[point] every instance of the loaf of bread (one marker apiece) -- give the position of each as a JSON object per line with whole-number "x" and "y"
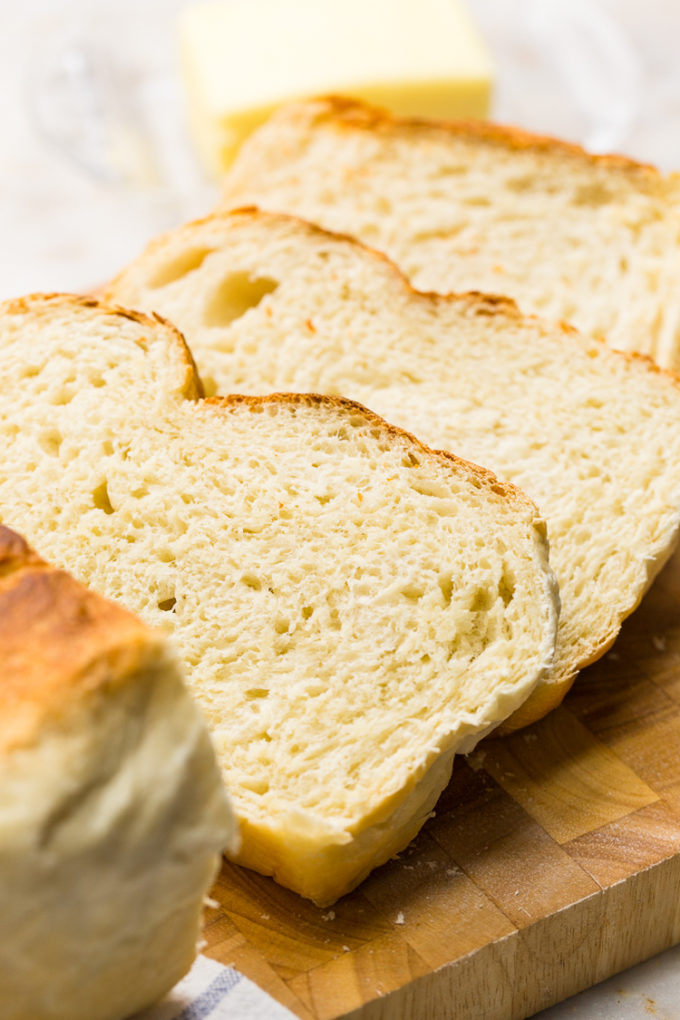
{"x": 351, "y": 607}
{"x": 112, "y": 811}
{"x": 268, "y": 302}
{"x": 591, "y": 240}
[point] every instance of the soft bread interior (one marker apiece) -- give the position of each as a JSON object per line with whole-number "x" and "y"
{"x": 351, "y": 607}
{"x": 590, "y": 240}
{"x": 590, "y": 434}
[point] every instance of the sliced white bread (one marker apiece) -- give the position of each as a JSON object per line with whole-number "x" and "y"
{"x": 351, "y": 607}
{"x": 269, "y": 302}
{"x": 591, "y": 240}
{"x": 113, "y": 814}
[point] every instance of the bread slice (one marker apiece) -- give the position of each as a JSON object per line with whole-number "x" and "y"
{"x": 592, "y": 436}
{"x": 351, "y": 607}
{"x": 103, "y": 865}
{"x": 591, "y": 240}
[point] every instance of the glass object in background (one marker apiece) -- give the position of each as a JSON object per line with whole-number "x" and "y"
{"x": 81, "y": 107}
{"x": 96, "y": 158}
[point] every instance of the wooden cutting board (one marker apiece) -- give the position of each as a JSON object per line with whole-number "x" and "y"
{"x": 553, "y": 862}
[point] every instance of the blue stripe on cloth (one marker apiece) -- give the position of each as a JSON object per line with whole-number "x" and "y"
{"x": 212, "y": 996}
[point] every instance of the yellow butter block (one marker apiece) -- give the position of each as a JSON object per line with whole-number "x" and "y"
{"x": 243, "y": 58}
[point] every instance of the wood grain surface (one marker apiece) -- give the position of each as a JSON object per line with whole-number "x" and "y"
{"x": 551, "y": 863}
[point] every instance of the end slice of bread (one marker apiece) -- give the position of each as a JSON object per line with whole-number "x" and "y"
{"x": 269, "y": 302}
{"x": 103, "y": 864}
{"x": 351, "y": 608}
{"x": 591, "y": 240}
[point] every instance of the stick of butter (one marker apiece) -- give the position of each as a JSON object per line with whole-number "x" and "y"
{"x": 243, "y": 58}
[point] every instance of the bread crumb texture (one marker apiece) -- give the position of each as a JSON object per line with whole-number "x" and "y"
{"x": 351, "y": 607}
{"x": 591, "y": 240}
{"x": 589, "y": 434}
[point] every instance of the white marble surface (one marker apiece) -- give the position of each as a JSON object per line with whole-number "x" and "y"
{"x": 606, "y": 74}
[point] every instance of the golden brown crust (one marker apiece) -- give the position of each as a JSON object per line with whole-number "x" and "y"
{"x": 357, "y": 115}
{"x": 58, "y": 640}
{"x": 477, "y": 302}
{"x": 542, "y": 700}
{"x": 484, "y": 303}
{"x": 506, "y": 490}
{"x": 15, "y": 553}
{"x": 253, "y": 212}
{"x": 193, "y": 387}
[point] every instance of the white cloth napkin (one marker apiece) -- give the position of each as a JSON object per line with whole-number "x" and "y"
{"x": 211, "y": 991}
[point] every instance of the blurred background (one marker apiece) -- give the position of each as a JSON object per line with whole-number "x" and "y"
{"x": 95, "y": 155}
{"x": 96, "y": 158}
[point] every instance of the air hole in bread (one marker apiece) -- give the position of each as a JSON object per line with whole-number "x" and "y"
{"x": 51, "y": 441}
{"x": 256, "y": 784}
{"x": 428, "y": 487}
{"x": 592, "y": 194}
{"x": 251, "y": 581}
{"x": 438, "y": 233}
{"x": 506, "y": 588}
{"x": 524, "y": 183}
{"x": 482, "y": 600}
{"x": 334, "y": 619}
{"x": 383, "y": 206}
{"x": 235, "y": 296}
{"x": 63, "y": 396}
{"x": 446, "y": 587}
{"x": 100, "y": 498}
{"x": 168, "y": 605}
{"x": 410, "y": 460}
{"x": 412, "y": 592}
{"x": 306, "y": 612}
{"x": 255, "y": 693}
{"x": 450, "y": 170}
{"x": 180, "y": 266}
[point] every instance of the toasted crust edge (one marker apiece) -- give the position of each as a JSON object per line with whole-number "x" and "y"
{"x": 346, "y": 112}
{"x": 485, "y": 477}
{"x": 59, "y": 641}
{"x": 192, "y": 387}
{"x": 476, "y": 301}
